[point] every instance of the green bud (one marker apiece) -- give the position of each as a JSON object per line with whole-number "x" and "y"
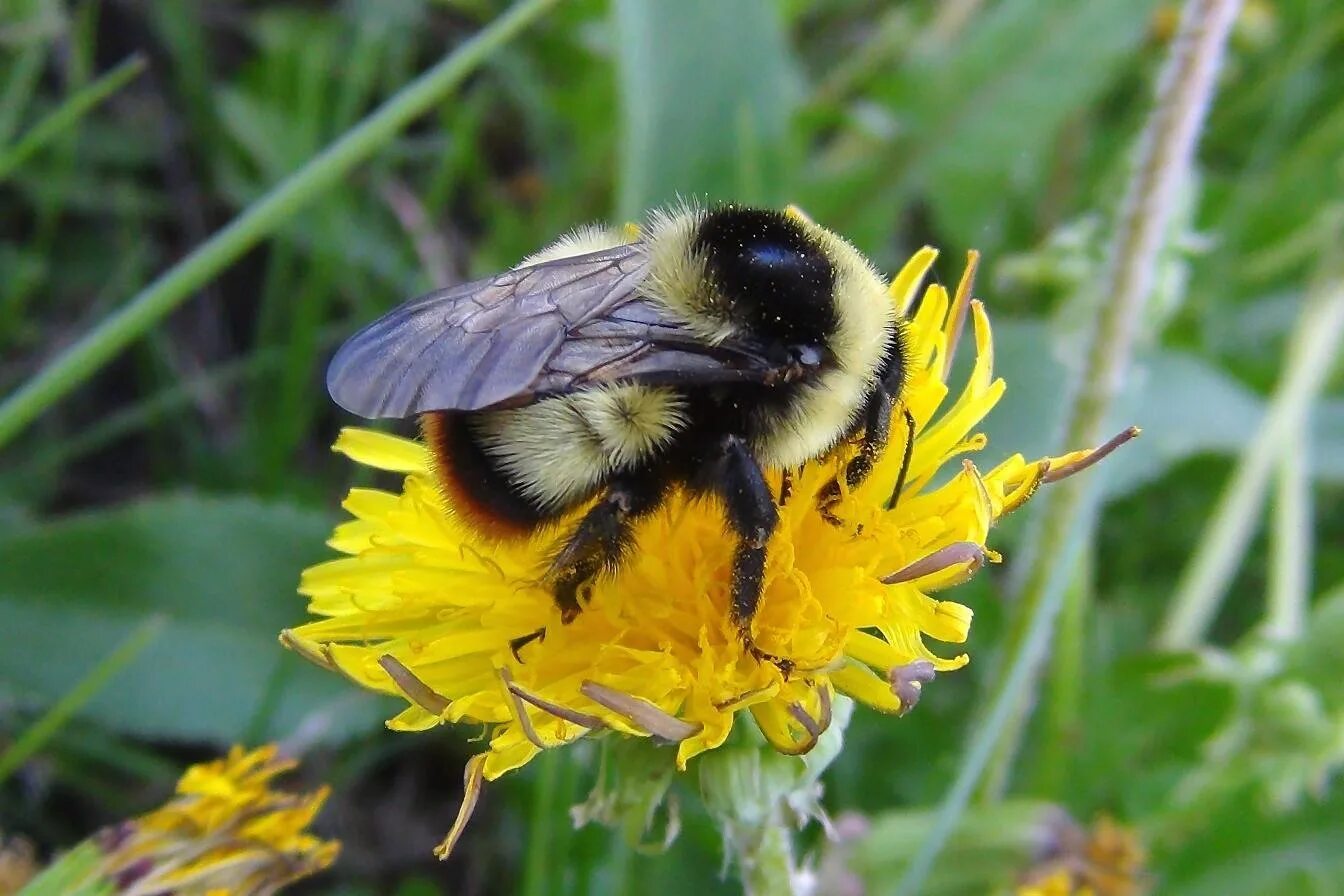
{"x": 631, "y": 794}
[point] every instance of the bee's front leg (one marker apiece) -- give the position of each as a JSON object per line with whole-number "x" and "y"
{"x": 752, "y": 515}
{"x": 876, "y": 433}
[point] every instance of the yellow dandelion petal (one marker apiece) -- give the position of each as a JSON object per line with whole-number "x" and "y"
{"x": 381, "y": 451}
{"x": 904, "y": 288}
{"x": 423, "y": 608}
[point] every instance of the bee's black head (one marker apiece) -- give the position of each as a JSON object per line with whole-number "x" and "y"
{"x": 774, "y": 276}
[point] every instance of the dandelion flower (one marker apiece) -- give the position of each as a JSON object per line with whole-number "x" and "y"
{"x": 1106, "y": 860}
{"x": 423, "y": 609}
{"x": 226, "y": 831}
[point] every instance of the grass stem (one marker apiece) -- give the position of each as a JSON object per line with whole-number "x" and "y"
{"x": 36, "y": 735}
{"x": 1311, "y": 351}
{"x": 68, "y": 114}
{"x": 1290, "y": 552}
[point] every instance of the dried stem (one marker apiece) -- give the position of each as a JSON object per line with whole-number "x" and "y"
{"x": 1164, "y": 159}
{"x": 1163, "y": 165}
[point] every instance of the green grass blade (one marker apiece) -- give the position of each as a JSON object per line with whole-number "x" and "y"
{"x": 68, "y": 114}
{"x": 37, "y": 734}
{"x": 73, "y": 874}
{"x": 1289, "y": 597}
{"x": 1308, "y": 360}
{"x": 24, "y": 72}
{"x": 320, "y": 173}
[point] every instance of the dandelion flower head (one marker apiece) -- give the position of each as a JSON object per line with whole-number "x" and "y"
{"x": 226, "y": 831}
{"x": 422, "y": 608}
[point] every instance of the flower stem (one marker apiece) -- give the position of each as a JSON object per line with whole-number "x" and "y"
{"x": 1309, "y": 356}
{"x": 767, "y": 867}
{"x": 1165, "y": 152}
{"x": 1052, "y": 762}
{"x": 542, "y": 860}
{"x": 322, "y": 172}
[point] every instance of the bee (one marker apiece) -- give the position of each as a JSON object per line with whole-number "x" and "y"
{"x": 616, "y": 366}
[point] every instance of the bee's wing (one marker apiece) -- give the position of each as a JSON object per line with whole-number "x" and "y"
{"x": 511, "y": 339}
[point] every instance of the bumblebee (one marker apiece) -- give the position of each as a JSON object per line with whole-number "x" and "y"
{"x": 615, "y": 366}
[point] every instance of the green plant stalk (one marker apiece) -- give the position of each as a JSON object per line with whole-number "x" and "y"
{"x": 145, "y": 413}
{"x": 68, "y": 114}
{"x": 1052, "y": 761}
{"x": 36, "y": 735}
{"x": 1081, "y": 505}
{"x": 1309, "y": 356}
{"x": 322, "y": 172}
{"x": 542, "y": 863}
{"x": 1161, "y": 169}
{"x": 1290, "y": 551}
{"x": 769, "y": 868}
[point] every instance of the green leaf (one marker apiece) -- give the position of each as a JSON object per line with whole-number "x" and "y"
{"x": 706, "y": 93}
{"x": 1243, "y": 852}
{"x": 1315, "y": 657}
{"x": 36, "y": 735}
{"x": 221, "y": 571}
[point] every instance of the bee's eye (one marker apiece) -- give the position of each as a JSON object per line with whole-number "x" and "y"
{"x": 805, "y": 355}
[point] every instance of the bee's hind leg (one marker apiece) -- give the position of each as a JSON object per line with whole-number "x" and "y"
{"x": 517, "y": 644}
{"x": 598, "y": 544}
{"x": 602, "y": 539}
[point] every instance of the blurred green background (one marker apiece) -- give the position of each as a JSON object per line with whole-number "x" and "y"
{"x": 189, "y": 480}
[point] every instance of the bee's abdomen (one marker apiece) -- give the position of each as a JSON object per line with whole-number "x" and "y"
{"x": 472, "y": 484}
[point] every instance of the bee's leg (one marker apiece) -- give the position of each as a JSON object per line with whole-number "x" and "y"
{"x": 785, "y": 486}
{"x": 876, "y": 433}
{"x": 602, "y": 538}
{"x": 517, "y": 644}
{"x": 905, "y": 459}
{"x": 752, "y": 516}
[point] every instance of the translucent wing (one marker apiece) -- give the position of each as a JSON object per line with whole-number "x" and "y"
{"x": 529, "y": 332}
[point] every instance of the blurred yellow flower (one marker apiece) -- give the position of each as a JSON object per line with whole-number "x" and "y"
{"x": 18, "y": 864}
{"x": 423, "y": 609}
{"x": 225, "y": 832}
{"x": 1107, "y": 860}
{"x": 1056, "y": 884}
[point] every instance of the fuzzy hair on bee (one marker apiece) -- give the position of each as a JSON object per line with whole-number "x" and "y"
{"x": 614, "y": 366}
